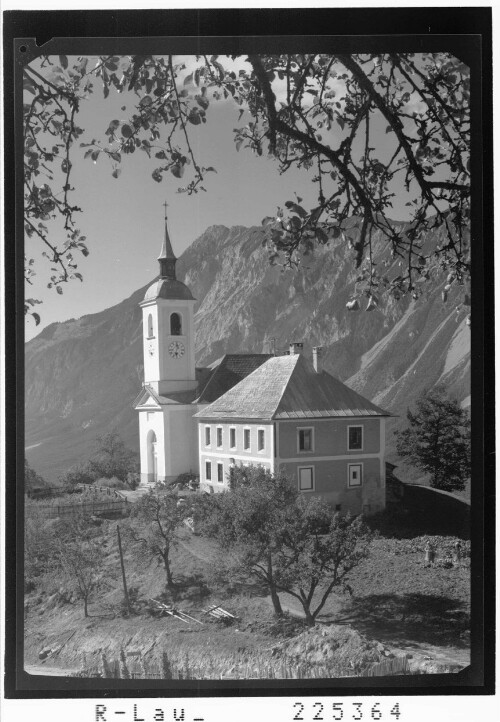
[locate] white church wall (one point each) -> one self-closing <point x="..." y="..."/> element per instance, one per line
<point x="176" y="373"/>
<point x="165" y="372"/>
<point x="151" y="422"/>
<point x="181" y="453"/>
<point x="150" y="343"/>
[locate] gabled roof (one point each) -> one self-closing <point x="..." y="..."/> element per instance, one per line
<point x="203" y="374"/>
<point x="287" y="387"/>
<point x="174" y="398"/>
<point x="214" y="380"/>
<point x="228" y="372"/>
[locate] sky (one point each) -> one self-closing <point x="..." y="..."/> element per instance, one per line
<point x="123" y="218"/>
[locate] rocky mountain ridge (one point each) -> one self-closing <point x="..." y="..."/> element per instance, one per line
<point x="81" y="376"/>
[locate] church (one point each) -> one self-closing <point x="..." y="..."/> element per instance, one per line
<point x="277" y="411"/>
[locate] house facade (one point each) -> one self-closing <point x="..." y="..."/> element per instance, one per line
<point x="344" y="461"/>
<point x="280" y="412"/>
<point x="292" y="416"/>
<point x="226" y="444"/>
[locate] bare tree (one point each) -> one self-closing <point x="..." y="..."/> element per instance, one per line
<point x="154" y="522"/>
<point x="81" y="557"/>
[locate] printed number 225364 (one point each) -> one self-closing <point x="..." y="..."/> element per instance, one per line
<point x="336" y="711"/>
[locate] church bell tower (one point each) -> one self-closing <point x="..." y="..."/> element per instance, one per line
<point x="168" y="328"/>
<point x="167" y="429"/>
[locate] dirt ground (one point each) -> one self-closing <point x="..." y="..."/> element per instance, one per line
<point x="429" y="623"/>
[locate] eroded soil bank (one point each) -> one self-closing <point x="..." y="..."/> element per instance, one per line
<point x="381" y="621"/>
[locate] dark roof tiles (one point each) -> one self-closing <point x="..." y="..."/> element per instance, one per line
<point x="231" y="369"/>
<point x="287" y="387"/>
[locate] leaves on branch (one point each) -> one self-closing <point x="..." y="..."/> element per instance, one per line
<point x="314" y="112"/>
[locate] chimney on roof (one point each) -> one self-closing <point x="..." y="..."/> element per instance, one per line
<point x="318" y="359"/>
<point x="296" y="348"/>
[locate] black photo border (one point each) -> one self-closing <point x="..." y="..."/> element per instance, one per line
<point x="467" y="32"/>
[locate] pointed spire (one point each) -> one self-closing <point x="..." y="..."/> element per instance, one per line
<point x="167" y="258"/>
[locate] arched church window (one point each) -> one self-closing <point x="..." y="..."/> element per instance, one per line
<point x="150" y="326"/>
<point x="175" y="325"/>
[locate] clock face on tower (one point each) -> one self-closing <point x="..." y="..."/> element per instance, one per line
<point x="176" y="349"/>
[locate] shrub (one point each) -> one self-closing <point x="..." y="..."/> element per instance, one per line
<point x="112" y="483"/>
<point x="187" y="480"/>
<point x="112" y="458"/>
<point x="82" y="473"/>
<point x="32" y="480"/>
<point x="133" y="479"/>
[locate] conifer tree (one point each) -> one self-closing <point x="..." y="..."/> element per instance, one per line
<point x="437" y="439"/>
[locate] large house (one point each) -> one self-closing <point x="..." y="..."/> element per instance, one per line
<point x="281" y="412"/>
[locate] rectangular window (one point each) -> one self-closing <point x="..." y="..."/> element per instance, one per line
<point x="306" y="478"/>
<point x="355" y="441"/>
<point x="338" y="507"/>
<point x="246" y="439"/>
<point x="208" y="470"/>
<point x="219" y="436"/>
<point x="220" y="473"/>
<point x="232" y="438"/>
<point x="261" y="440"/>
<point x="207" y="435"/>
<point x="305" y="440"/>
<point x="355" y="477"/>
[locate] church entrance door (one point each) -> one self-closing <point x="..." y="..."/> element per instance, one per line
<point x="155" y="463"/>
<point x="152" y="458"/>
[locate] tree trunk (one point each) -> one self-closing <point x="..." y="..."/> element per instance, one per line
<point x="168" y="571"/>
<point x="308" y="615"/>
<point x="278" y="611"/>
<point x="437" y="462"/>
<point x="310" y="620"/>
<point x="125" y="590"/>
<point x="85" y="606"/>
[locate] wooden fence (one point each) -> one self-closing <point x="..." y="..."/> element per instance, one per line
<point x="113" y="507"/>
<point x="93" y="491"/>
<point x="48" y="491"/>
<point x="389" y="667"/>
<point x="133" y="666"/>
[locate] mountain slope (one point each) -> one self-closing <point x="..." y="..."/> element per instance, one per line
<point x="83" y="375"/>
